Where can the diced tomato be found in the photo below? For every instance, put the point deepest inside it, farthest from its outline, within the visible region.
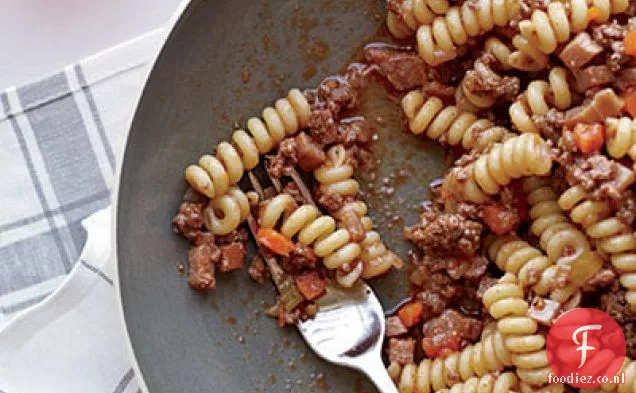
(443, 346)
(311, 285)
(589, 137)
(275, 241)
(629, 97)
(630, 43)
(593, 14)
(499, 220)
(411, 313)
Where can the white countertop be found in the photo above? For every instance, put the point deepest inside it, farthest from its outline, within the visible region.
(39, 37)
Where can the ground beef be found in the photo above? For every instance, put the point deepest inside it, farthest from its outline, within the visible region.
(600, 279)
(189, 220)
(236, 236)
(395, 327)
(352, 223)
(233, 256)
(404, 69)
(331, 201)
(593, 77)
(613, 302)
(194, 197)
(257, 270)
(440, 90)
(323, 126)
(626, 78)
(286, 157)
(355, 133)
(302, 258)
(484, 283)
(470, 268)
(401, 351)
(449, 333)
(482, 80)
(202, 260)
(591, 171)
(292, 189)
(309, 154)
(610, 36)
(445, 234)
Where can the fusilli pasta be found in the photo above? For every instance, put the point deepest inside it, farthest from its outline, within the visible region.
(487, 356)
(611, 235)
(412, 14)
(234, 207)
(545, 30)
(506, 304)
(489, 383)
(214, 174)
(535, 100)
(449, 124)
(437, 41)
(333, 245)
(519, 156)
(621, 137)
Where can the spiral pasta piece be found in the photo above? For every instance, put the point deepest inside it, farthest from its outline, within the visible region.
(515, 256)
(545, 30)
(470, 101)
(489, 383)
(213, 175)
(437, 41)
(226, 212)
(432, 375)
(611, 235)
(311, 228)
(519, 156)
(505, 302)
(535, 102)
(376, 257)
(621, 137)
(335, 175)
(412, 14)
(449, 124)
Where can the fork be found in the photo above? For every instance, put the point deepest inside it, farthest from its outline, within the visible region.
(349, 327)
(348, 331)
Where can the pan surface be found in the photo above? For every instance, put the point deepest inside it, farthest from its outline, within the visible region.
(224, 62)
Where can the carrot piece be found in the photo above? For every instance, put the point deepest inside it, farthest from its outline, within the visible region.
(311, 285)
(629, 97)
(499, 220)
(275, 241)
(593, 14)
(589, 137)
(411, 313)
(630, 43)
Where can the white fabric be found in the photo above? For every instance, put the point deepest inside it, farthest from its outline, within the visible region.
(70, 337)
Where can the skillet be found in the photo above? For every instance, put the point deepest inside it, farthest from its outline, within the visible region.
(223, 62)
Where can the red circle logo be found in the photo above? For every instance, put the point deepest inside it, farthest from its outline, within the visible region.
(585, 348)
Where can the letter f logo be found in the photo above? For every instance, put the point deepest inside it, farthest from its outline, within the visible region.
(583, 347)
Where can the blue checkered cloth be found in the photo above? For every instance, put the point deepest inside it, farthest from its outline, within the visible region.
(59, 142)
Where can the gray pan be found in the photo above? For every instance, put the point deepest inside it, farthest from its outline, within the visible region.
(224, 62)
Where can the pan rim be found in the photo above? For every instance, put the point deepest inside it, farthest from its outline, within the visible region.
(169, 27)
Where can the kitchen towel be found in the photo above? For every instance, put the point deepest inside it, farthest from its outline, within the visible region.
(60, 139)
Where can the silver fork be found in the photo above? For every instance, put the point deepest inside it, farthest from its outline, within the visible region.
(348, 331)
(349, 327)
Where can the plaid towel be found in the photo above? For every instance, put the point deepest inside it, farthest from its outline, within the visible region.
(59, 142)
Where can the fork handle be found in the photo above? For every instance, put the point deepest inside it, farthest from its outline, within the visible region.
(380, 377)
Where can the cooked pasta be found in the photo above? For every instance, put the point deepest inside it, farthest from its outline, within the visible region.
(487, 356)
(536, 102)
(611, 235)
(437, 41)
(214, 174)
(513, 255)
(489, 383)
(621, 137)
(448, 124)
(335, 176)
(414, 13)
(333, 245)
(545, 30)
(505, 302)
(226, 212)
(519, 156)
(376, 257)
